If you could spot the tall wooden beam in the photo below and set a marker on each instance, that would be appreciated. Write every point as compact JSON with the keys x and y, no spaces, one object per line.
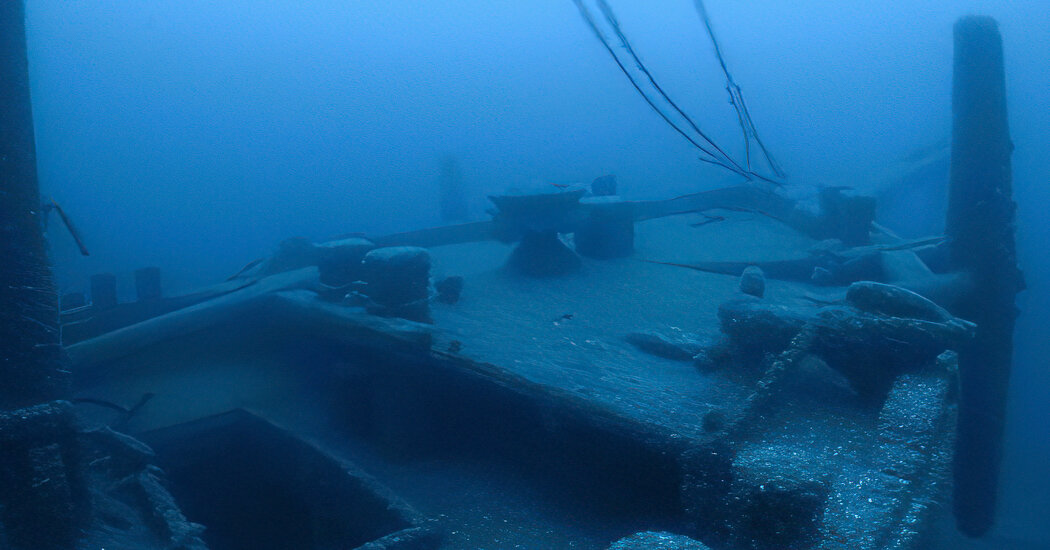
{"x":29,"y":353}
{"x":980,"y":223}
{"x":39,"y":483}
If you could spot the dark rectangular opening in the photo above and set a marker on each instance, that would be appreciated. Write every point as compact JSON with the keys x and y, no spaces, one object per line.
{"x":256,"y":486}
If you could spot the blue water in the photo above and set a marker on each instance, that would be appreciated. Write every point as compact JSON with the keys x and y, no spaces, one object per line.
{"x":194,"y":135}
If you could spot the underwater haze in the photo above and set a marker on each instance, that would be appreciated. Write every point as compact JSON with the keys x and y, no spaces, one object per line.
{"x":195,"y":135}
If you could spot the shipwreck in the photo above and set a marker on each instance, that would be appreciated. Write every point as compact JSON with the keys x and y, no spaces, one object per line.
{"x":578,"y":371}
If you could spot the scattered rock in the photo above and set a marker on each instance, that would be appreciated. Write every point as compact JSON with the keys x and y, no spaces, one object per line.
{"x":753,"y":281}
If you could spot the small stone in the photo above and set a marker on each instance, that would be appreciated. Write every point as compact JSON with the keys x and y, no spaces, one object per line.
{"x":753,"y":281}
{"x":398,"y":280}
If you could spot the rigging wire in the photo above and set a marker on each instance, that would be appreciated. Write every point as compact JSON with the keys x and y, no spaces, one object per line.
{"x":721,"y":159}
{"x":714,"y":159}
{"x":736,"y":98}
{"x":610,"y":17}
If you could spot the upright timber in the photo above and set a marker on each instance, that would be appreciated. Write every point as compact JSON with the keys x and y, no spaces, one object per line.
{"x":980,"y":224}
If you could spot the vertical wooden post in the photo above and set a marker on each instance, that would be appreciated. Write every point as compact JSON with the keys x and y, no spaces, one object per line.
{"x":29,"y":352}
{"x":103,"y":291}
{"x":38,"y":481}
{"x":980,"y":223}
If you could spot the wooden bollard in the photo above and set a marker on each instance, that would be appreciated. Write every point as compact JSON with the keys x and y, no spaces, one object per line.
{"x":607,"y":230}
{"x":398,"y":280}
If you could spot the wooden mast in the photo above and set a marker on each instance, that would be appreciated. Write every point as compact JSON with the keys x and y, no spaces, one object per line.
{"x":980,"y":224}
